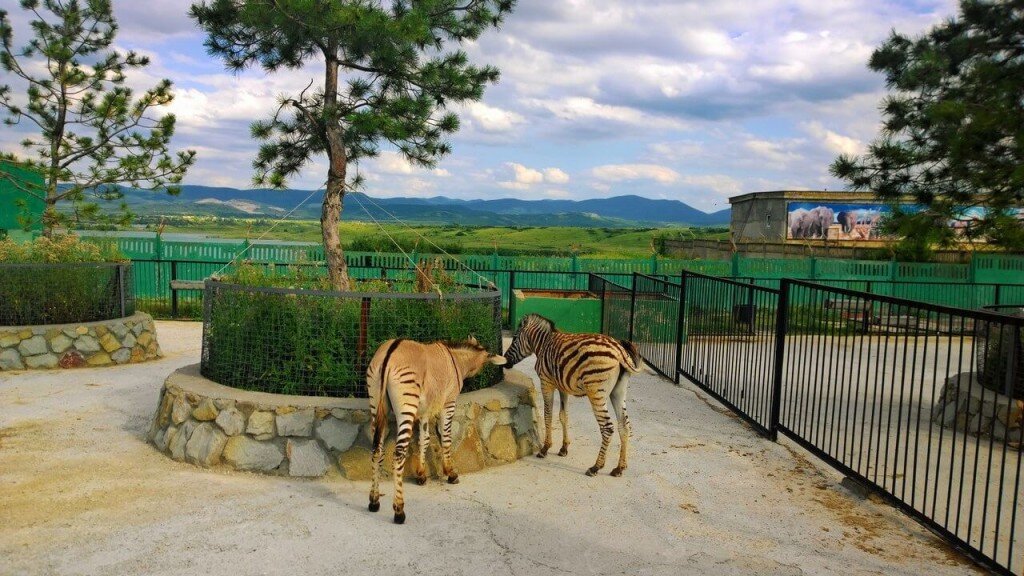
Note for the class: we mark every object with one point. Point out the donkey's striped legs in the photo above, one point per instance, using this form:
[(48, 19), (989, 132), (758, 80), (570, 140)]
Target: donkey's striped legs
[(604, 421), (421, 465), (618, 400), (446, 442), (563, 417), (405, 424), (548, 391), (376, 458)]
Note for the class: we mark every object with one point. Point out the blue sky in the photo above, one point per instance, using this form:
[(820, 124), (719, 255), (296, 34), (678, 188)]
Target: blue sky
[(681, 99)]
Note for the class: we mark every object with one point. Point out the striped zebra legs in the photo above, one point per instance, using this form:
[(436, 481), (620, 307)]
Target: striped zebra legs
[(618, 399), (405, 423), (376, 459), (421, 465), (548, 392), (446, 442), (600, 406), (563, 417)]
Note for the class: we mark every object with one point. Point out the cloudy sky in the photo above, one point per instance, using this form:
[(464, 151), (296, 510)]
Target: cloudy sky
[(694, 100)]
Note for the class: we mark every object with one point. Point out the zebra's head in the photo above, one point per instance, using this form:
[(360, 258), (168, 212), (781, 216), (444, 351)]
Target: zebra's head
[(533, 328)]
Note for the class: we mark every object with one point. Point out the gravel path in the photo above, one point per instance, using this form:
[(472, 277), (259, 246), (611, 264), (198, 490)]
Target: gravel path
[(82, 493)]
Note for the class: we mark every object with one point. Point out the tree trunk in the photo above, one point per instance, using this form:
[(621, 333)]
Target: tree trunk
[(330, 213)]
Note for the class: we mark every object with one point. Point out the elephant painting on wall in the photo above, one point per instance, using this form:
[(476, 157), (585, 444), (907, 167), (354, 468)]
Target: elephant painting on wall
[(849, 222)]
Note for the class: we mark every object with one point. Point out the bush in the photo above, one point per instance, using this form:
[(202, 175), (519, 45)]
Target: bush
[(301, 342), (61, 281)]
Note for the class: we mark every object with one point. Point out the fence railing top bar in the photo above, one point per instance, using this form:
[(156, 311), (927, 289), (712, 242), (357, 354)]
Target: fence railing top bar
[(481, 294), (982, 315), (63, 264), (611, 283)]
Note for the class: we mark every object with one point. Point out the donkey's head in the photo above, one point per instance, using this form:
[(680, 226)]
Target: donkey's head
[(471, 357), (532, 330)]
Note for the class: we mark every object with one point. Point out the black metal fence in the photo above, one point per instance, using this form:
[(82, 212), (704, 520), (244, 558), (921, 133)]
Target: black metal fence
[(65, 293), (318, 343), (922, 403)]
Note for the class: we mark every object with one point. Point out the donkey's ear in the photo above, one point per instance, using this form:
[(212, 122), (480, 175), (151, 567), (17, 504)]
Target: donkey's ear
[(472, 340)]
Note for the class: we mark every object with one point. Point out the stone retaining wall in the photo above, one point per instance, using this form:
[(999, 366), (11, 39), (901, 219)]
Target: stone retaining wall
[(965, 405), (210, 425), (102, 343)]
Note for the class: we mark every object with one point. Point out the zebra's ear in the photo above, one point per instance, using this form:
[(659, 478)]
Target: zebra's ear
[(472, 340), (498, 360)]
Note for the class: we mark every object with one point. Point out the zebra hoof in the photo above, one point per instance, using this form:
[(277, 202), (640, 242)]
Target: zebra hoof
[(617, 471), (374, 506), (564, 451), (541, 454), (421, 480), (399, 517), (593, 471), (453, 479)]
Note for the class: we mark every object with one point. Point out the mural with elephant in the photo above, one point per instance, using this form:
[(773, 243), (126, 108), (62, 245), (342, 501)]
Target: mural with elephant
[(830, 221)]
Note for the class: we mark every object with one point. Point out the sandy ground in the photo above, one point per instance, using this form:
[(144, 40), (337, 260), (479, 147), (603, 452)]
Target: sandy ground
[(82, 493)]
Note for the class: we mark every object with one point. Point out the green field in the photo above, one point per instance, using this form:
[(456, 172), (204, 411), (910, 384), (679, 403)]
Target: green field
[(454, 239)]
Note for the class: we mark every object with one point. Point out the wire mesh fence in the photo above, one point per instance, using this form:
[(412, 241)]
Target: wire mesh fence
[(319, 343), (64, 293)]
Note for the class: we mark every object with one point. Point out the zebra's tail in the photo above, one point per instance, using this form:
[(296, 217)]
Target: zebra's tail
[(380, 418), (634, 361)]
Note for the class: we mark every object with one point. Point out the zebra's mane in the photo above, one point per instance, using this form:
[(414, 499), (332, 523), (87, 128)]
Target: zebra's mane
[(548, 324)]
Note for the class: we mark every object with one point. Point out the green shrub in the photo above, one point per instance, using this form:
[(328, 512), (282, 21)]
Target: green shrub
[(295, 343), (65, 249)]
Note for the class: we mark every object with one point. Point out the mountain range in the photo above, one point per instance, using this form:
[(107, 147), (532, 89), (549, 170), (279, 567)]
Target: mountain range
[(618, 211)]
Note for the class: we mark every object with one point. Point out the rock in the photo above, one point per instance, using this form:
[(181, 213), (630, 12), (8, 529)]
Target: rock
[(306, 458), (24, 334), (261, 425), (81, 330), (60, 343), (11, 360), (468, 457), (122, 356), (355, 463), (180, 410), (42, 361), (527, 445), (101, 331), (128, 340), (144, 339), (524, 421), (119, 330), (109, 342), (179, 441), (501, 444), (99, 359), (205, 445), (72, 359), (8, 339), (206, 411), (222, 403), (33, 346), (298, 423), (138, 328), (360, 416), (86, 344), (244, 453), (336, 434), (138, 355), (163, 435), (70, 332), (231, 421), (493, 405), (949, 415), (489, 420)]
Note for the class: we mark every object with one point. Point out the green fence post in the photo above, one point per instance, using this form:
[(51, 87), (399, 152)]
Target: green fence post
[(575, 264), (894, 270), (972, 272), (158, 247), (654, 264), (245, 247), (735, 264), (814, 268)]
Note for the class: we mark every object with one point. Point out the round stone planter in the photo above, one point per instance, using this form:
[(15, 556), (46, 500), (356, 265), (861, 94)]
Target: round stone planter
[(102, 343), (964, 404), (211, 425)]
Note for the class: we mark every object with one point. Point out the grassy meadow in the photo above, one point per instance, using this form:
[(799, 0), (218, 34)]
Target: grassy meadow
[(452, 238)]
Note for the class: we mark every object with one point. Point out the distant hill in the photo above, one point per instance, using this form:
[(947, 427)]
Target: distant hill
[(618, 211)]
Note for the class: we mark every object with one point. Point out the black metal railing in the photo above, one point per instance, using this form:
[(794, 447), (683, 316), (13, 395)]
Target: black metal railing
[(921, 403), (65, 293), (655, 322)]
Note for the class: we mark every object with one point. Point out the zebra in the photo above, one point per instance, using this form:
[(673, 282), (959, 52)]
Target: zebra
[(422, 381), (591, 365)]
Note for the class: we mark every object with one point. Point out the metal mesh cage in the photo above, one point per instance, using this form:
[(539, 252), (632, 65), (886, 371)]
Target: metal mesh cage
[(65, 293), (1000, 356), (317, 343)]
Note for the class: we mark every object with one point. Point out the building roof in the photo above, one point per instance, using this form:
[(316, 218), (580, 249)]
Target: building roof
[(807, 195)]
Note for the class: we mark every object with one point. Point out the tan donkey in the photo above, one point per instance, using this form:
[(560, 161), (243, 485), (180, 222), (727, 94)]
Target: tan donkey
[(422, 381)]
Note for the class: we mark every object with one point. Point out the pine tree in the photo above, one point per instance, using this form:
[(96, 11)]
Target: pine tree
[(93, 135), (952, 136), (388, 78)]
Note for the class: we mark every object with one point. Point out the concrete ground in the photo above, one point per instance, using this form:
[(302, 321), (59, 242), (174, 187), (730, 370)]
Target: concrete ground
[(82, 493)]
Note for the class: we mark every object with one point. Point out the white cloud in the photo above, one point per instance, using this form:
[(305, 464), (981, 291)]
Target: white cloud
[(524, 178), (832, 141), (492, 119), (555, 176), (625, 172)]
